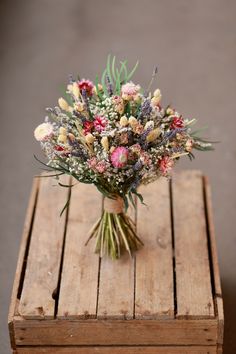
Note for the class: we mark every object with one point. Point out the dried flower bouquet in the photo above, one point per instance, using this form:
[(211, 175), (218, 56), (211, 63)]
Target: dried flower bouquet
[(116, 136)]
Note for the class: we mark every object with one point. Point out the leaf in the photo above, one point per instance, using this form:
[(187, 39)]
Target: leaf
[(97, 88), (66, 206), (65, 185), (113, 68), (140, 197), (103, 81), (123, 69), (109, 69), (126, 202), (132, 71), (132, 199), (118, 82)]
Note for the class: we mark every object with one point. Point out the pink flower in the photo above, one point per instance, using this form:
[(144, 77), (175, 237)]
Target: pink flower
[(166, 165), (119, 157), (101, 166), (100, 123), (129, 91), (86, 85), (92, 163), (87, 127), (177, 122)]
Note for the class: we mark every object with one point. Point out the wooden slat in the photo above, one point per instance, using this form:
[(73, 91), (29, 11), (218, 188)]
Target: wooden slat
[(154, 264), (78, 291), (21, 257), (194, 293), (116, 287), (116, 332), (215, 264), (120, 350), (44, 257)]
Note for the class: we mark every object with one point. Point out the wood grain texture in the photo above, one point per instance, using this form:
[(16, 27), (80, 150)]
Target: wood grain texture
[(119, 350), (154, 263), (79, 282), (116, 287), (194, 292), (215, 263), (45, 250), (116, 332)]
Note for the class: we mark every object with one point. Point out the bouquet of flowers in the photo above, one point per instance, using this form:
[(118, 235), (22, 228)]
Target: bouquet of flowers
[(116, 136)]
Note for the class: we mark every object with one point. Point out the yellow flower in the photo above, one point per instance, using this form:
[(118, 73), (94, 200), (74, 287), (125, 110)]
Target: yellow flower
[(105, 143), (153, 135), (75, 89), (63, 104), (62, 139), (124, 121), (89, 138), (132, 121), (62, 131)]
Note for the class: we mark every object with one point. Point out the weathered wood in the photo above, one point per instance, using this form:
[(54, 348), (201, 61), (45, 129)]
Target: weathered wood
[(116, 332), (116, 286), (21, 256), (79, 282), (154, 297), (215, 264), (194, 292), (119, 350), (45, 250)]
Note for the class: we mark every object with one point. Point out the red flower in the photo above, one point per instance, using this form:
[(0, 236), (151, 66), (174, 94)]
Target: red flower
[(86, 85), (87, 127), (177, 122), (100, 123), (58, 148)]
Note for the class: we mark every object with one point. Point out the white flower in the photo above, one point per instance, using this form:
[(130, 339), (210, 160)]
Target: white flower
[(43, 131)]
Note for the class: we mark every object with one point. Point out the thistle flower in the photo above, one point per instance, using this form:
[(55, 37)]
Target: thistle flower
[(86, 85), (87, 125), (119, 157), (165, 165), (43, 131), (100, 123)]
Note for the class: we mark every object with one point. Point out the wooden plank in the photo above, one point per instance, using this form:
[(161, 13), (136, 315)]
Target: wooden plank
[(81, 265), (44, 257), (116, 287), (154, 263), (119, 350), (116, 332), (193, 283), (21, 256), (215, 263)]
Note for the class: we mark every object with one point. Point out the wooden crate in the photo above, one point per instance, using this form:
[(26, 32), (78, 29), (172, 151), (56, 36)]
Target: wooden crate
[(165, 300)]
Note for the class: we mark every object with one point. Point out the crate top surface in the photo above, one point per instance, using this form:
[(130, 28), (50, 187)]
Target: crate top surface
[(174, 276)]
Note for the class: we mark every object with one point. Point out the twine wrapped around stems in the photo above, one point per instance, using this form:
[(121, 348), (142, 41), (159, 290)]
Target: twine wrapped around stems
[(114, 206)]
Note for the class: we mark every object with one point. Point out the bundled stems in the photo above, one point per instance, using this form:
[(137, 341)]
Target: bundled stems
[(114, 232)]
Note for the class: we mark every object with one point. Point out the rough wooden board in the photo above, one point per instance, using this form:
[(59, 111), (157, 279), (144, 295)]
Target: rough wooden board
[(44, 257), (79, 282), (21, 256), (116, 287), (215, 264), (116, 332), (154, 263), (120, 350), (194, 293)]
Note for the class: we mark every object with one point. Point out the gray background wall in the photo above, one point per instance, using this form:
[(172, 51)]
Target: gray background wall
[(194, 45)]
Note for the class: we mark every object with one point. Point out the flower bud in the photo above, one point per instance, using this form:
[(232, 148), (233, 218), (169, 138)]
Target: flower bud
[(62, 131), (153, 135), (63, 104), (79, 107), (132, 121), (89, 138), (105, 143), (75, 89), (62, 139), (157, 93), (169, 111), (155, 101), (124, 121)]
